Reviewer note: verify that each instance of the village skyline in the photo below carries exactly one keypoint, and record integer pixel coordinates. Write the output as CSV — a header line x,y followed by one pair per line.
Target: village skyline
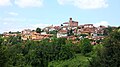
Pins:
x,y
69,29
63,24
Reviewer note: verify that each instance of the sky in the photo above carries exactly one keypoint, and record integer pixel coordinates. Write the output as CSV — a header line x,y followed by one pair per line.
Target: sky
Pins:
x,y
17,15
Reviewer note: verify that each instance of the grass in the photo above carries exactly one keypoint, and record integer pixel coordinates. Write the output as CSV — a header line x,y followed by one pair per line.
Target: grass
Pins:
x,y
78,61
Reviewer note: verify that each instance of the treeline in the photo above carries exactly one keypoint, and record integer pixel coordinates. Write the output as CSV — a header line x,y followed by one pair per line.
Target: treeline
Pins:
x,y
15,52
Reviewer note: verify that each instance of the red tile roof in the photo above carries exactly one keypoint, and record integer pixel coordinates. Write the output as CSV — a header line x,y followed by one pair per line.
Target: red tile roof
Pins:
x,y
88,30
66,23
63,31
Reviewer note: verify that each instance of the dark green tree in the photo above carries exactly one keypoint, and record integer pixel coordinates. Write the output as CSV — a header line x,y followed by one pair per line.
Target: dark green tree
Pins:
x,y
86,46
38,30
70,32
108,30
53,32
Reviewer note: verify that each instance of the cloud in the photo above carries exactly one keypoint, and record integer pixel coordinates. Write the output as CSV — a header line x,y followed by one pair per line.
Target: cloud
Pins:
x,y
40,25
29,3
13,13
10,19
104,23
19,24
5,23
14,19
13,29
5,2
85,4
20,28
63,2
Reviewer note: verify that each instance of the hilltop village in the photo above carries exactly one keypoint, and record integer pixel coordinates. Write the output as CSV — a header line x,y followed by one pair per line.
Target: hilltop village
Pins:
x,y
67,45
70,30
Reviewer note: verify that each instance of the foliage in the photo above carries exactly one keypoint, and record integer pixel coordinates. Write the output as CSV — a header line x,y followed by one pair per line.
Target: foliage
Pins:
x,y
86,47
109,55
78,61
53,32
33,53
96,49
83,35
38,30
108,30
70,32
3,58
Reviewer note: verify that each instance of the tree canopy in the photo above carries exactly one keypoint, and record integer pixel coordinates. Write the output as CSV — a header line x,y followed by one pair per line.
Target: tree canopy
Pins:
x,y
38,30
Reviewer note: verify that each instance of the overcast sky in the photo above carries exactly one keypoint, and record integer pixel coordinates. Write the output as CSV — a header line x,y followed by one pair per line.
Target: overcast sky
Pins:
x,y
16,15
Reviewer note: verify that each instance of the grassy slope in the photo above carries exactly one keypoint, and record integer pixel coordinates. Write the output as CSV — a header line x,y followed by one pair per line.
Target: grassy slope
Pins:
x,y
78,61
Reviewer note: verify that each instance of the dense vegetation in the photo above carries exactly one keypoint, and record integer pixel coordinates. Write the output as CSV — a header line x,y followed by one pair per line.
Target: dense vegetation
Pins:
x,y
60,52
109,54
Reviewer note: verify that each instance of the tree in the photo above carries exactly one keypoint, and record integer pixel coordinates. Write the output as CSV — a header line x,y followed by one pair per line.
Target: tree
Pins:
x,y
10,32
61,24
109,55
86,47
17,53
12,40
38,30
70,32
53,32
3,58
108,30
83,35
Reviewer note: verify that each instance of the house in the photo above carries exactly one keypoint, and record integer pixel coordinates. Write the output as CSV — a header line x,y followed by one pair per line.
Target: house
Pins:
x,y
62,33
49,28
25,37
8,34
37,36
88,29
47,36
26,31
100,29
65,23
26,34
33,35
5,34
88,26
57,28
79,29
